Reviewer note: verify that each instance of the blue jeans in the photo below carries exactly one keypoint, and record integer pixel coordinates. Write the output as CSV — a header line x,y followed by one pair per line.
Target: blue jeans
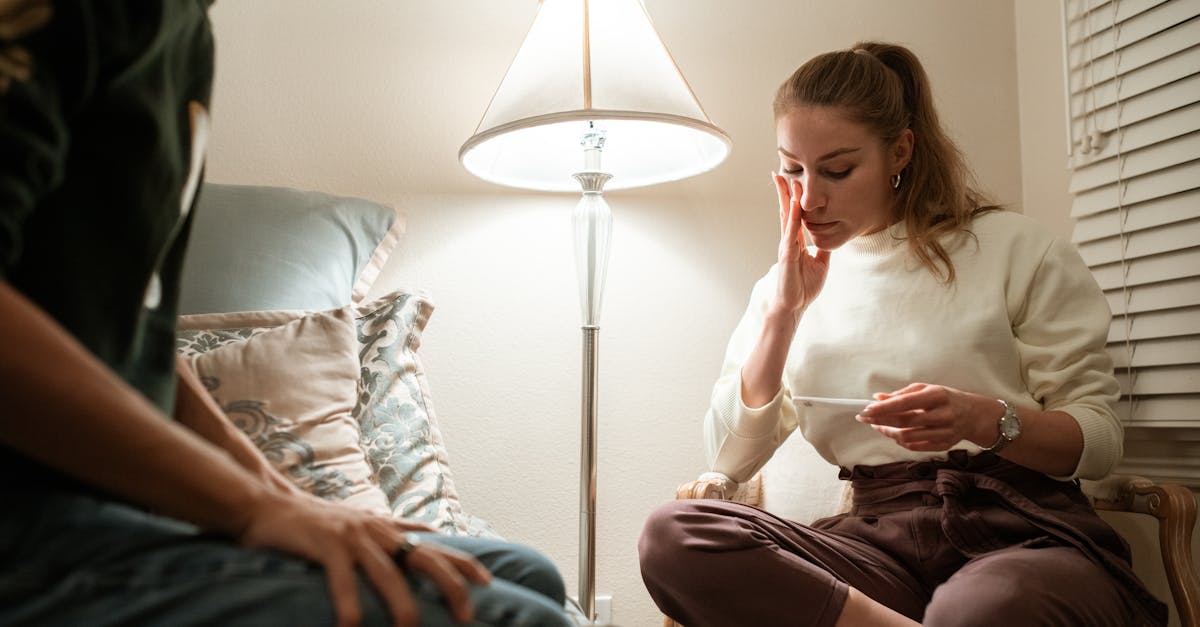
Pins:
x,y
78,560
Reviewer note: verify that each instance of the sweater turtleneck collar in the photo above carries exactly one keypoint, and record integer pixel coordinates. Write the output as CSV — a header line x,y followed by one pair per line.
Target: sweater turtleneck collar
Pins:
x,y
880,242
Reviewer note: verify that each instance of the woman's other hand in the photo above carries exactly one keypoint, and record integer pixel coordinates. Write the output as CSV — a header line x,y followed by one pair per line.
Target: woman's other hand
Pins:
x,y
342,539
925,417
801,274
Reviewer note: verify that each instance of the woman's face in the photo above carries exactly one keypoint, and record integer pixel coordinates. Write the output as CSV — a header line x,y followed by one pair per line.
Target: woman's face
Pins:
x,y
841,172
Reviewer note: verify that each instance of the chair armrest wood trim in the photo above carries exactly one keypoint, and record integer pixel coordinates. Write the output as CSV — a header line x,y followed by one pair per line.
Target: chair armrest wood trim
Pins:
x,y
1175,508
716,486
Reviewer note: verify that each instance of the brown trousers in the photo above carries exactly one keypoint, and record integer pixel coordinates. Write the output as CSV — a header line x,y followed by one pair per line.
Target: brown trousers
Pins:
x,y
968,541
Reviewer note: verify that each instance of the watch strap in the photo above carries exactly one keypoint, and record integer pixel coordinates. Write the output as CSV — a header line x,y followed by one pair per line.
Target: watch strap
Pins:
x,y
1002,440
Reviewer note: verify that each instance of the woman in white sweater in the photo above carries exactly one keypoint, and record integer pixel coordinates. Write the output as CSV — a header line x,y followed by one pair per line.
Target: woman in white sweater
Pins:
x,y
979,340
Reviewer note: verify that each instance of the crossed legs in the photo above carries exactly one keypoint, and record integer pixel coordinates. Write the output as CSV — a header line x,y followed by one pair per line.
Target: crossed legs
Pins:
x,y
713,563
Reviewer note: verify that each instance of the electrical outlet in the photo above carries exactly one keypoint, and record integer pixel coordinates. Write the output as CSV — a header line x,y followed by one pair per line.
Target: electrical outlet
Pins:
x,y
603,609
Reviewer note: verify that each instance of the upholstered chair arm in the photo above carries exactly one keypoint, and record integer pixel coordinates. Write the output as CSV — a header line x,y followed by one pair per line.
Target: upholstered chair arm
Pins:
x,y
1175,508
714,485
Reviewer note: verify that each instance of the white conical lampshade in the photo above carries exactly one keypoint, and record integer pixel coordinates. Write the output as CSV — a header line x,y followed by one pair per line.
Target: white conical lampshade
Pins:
x,y
597,62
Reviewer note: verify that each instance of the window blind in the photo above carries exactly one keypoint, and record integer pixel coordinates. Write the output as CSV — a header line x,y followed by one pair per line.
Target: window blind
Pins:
x,y
1133,103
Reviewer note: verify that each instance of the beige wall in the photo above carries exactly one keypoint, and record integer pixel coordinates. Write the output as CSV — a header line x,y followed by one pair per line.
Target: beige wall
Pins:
x,y
373,99
1043,130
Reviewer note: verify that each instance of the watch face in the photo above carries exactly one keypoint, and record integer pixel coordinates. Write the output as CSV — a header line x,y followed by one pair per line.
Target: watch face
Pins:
x,y
1010,427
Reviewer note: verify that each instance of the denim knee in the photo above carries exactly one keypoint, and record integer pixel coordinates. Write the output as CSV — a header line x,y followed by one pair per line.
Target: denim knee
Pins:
x,y
539,574
522,565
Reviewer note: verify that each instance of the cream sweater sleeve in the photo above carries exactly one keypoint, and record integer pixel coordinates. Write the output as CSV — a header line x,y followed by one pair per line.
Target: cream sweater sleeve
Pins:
x,y
739,440
1061,330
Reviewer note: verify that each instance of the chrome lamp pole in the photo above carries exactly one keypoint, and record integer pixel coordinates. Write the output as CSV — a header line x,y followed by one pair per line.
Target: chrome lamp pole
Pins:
x,y
592,221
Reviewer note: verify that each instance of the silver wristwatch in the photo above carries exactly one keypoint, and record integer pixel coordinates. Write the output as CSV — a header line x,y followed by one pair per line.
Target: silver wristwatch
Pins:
x,y
1010,428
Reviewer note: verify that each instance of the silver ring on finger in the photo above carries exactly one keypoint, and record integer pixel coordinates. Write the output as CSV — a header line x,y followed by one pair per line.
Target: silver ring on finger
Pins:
x,y
408,543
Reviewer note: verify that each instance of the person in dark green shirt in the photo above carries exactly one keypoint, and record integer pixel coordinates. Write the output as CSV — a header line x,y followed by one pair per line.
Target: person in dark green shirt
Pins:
x,y
103,112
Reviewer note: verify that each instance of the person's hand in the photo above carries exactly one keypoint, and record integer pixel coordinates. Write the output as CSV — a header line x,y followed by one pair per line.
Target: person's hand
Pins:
x,y
341,539
801,274
925,417
17,19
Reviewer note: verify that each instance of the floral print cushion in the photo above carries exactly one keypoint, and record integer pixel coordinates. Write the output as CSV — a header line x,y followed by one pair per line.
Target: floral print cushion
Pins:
x,y
398,429
306,431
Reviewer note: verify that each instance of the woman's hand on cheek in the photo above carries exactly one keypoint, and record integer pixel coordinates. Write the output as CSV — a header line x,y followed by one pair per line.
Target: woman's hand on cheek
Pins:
x,y
926,417
801,274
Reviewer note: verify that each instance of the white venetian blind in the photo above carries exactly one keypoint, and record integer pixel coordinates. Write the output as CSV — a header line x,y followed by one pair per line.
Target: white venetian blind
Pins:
x,y
1133,76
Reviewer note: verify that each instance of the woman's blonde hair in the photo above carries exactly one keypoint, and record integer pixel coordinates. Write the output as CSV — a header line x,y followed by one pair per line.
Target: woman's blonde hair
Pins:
x,y
885,88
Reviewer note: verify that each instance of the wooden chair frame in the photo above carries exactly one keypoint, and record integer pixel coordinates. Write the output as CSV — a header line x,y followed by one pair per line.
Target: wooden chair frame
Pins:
x,y
1172,505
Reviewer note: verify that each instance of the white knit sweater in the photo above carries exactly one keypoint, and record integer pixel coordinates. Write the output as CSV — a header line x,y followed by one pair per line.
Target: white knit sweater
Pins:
x,y
1024,321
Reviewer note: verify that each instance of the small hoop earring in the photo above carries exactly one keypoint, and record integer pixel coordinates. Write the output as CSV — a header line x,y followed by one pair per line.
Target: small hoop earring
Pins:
x,y
895,181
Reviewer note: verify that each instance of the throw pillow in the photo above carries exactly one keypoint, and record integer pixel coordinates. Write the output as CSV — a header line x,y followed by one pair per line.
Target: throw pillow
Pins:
x,y
285,249
292,388
398,428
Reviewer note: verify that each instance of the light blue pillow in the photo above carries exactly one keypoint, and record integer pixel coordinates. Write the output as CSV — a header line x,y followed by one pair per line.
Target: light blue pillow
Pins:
x,y
258,248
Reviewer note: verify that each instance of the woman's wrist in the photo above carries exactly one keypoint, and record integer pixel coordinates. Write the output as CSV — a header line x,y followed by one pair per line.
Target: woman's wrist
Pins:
x,y
987,424
762,374
782,319
253,498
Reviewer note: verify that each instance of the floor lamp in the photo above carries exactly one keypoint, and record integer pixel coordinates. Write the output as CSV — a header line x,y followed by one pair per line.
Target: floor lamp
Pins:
x,y
592,100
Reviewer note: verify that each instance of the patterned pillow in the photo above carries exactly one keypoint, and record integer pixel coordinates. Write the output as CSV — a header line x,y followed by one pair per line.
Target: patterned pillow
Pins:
x,y
394,410
291,388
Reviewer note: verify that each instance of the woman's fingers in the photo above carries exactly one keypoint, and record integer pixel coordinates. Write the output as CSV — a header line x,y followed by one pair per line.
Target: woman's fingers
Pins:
x,y
450,570
795,225
924,417
900,419
343,589
790,224
919,438
785,198
383,573
469,567
343,541
914,435
440,567
911,397
801,275
464,564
